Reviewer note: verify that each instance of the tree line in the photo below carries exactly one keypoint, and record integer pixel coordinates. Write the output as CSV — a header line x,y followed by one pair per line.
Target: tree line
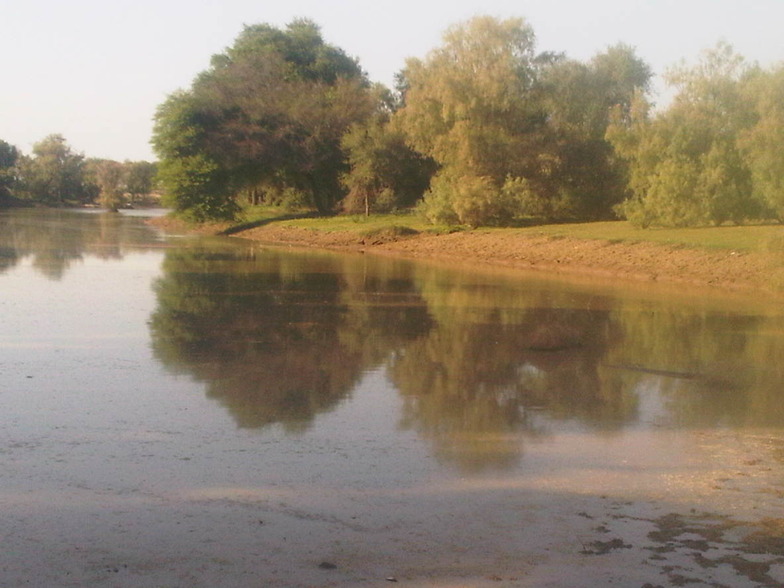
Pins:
x,y
56,175
484,130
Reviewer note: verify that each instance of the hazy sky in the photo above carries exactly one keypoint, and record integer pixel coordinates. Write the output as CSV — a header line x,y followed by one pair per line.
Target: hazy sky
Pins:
x,y
95,70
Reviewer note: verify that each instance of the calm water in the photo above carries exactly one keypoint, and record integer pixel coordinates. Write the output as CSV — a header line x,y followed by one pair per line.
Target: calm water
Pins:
x,y
186,411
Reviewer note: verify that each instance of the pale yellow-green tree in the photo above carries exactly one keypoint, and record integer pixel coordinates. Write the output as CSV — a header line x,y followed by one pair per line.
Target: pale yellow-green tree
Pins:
x,y
517,133
466,107
762,144
109,179
685,165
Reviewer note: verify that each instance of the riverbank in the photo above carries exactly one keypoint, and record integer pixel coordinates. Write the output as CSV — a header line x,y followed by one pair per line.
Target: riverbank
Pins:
x,y
642,261
730,270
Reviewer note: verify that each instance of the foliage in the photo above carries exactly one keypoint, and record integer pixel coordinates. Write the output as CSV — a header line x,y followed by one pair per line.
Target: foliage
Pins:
x,y
108,177
762,143
140,178
54,174
385,173
267,116
9,156
196,188
493,113
687,167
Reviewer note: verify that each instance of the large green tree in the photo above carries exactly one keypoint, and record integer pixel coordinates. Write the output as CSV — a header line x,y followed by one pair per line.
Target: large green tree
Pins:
x,y
516,132
762,143
686,167
267,117
466,107
385,172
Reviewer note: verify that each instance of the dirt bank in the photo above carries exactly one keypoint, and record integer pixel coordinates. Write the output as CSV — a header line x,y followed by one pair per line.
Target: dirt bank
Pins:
x,y
640,261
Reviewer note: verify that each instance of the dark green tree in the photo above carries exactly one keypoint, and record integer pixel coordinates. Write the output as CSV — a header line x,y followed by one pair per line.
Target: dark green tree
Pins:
x,y
385,173
267,117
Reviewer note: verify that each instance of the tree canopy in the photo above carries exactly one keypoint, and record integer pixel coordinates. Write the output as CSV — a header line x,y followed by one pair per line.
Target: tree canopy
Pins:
x,y
9,156
516,132
713,155
485,129
55,175
266,119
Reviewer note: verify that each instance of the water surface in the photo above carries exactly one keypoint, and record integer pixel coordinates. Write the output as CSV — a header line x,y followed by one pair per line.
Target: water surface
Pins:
x,y
213,412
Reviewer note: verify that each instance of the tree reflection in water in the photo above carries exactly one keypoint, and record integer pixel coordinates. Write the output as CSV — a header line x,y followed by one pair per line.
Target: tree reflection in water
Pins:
x,y
276,340
56,238
482,364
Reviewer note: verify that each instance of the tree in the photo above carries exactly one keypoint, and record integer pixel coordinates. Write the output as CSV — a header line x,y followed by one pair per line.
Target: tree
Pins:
x,y
110,179
140,178
267,116
685,165
516,133
193,183
584,179
385,173
9,157
54,174
466,107
762,143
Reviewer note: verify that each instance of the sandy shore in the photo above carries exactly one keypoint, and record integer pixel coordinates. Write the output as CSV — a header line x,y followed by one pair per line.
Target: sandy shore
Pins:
x,y
727,270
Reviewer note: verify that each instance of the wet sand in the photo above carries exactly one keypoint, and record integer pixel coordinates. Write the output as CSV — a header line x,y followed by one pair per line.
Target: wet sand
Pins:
x,y
712,522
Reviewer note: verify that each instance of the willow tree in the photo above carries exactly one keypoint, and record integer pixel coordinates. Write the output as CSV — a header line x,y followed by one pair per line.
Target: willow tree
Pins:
x,y
762,143
267,117
516,132
465,107
686,167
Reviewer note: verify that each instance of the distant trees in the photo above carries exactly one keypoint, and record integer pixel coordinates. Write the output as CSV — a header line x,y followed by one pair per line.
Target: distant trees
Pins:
x,y
108,179
56,175
139,179
9,156
53,174
484,130
265,121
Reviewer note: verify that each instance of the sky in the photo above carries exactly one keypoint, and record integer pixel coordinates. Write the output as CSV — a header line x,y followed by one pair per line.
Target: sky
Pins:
x,y
96,70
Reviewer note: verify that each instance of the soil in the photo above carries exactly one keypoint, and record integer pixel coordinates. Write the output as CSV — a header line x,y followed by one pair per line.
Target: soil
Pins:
x,y
641,261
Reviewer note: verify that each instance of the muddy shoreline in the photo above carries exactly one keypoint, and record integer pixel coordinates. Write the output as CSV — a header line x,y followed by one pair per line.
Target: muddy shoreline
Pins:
x,y
603,259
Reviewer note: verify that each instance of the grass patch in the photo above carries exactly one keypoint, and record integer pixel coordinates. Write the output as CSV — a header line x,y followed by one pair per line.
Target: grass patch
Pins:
x,y
734,238
741,238
360,224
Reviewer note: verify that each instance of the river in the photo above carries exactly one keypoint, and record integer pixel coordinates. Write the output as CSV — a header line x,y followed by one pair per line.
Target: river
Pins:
x,y
192,411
